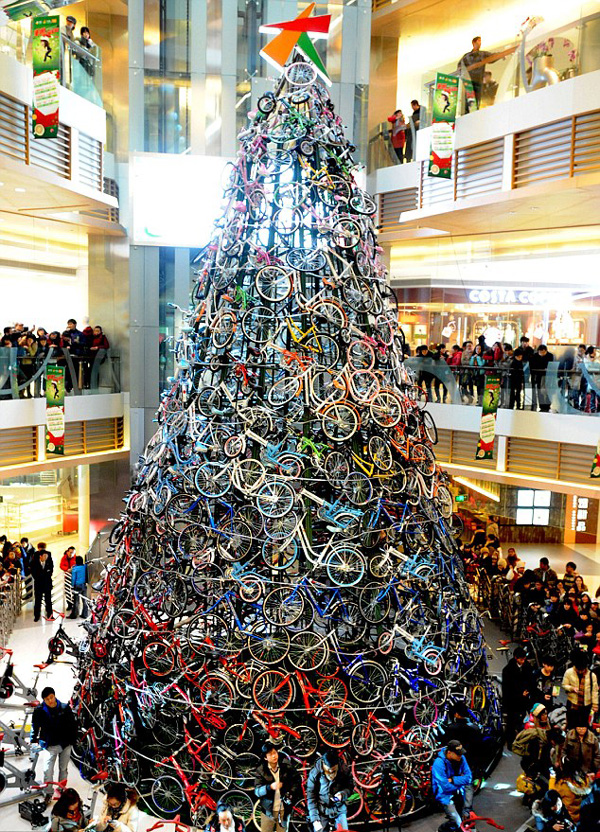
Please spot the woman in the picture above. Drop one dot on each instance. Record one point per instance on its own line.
(550, 814)
(98, 342)
(68, 814)
(398, 134)
(478, 363)
(572, 787)
(120, 809)
(580, 585)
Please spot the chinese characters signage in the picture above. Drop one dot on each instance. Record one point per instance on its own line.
(445, 101)
(46, 76)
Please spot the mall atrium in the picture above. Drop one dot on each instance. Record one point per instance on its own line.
(299, 401)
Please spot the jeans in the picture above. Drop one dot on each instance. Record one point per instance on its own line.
(339, 821)
(457, 804)
(51, 753)
(84, 609)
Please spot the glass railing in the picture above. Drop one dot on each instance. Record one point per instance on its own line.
(82, 70)
(559, 389)
(14, 40)
(22, 376)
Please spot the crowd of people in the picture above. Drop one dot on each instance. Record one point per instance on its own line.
(578, 373)
(33, 345)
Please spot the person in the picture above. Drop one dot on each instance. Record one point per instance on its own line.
(570, 575)
(120, 812)
(516, 380)
(54, 725)
(224, 820)
(28, 552)
(76, 343)
(476, 55)
(580, 585)
(424, 377)
(581, 687)
(545, 573)
(398, 134)
(550, 814)
(452, 785)
(79, 586)
(544, 683)
(538, 364)
(572, 786)
(328, 787)
(489, 88)
(68, 814)
(98, 342)
(437, 353)
(517, 686)
(492, 526)
(42, 567)
(67, 562)
(589, 816)
(462, 728)
(581, 748)
(477, 373)
(276, 784)
(86, 42)
(414, 125)
(68, 30)
(532, 744)
(466, 379)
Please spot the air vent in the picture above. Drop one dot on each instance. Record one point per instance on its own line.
(93, 436)
(18, 446)
(479, 169)
(13, 128)
(543, 154)
(464, 450)
(90, 162)
(443, 449)
(53, 155)
(393, 203)
(575, 463)
(529, 456)
(435, 191)
(586, 143)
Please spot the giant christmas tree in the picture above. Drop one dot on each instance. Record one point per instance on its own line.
(286, 566)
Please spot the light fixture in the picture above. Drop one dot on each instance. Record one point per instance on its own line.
(1, 184)
(20, 190)
(473, 487)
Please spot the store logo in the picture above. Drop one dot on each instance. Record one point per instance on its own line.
(524, 298)
(293, 34)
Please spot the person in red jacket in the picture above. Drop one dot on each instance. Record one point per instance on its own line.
(98, 342)
(398, 134)
(67, 562)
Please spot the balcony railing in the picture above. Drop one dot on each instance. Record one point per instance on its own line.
(560, 389)
(21, 377)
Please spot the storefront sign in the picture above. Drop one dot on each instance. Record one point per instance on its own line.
(445, 100)
(487, 430)
(581, 521)
(523, 298)
(46, 76)
(595, 472)
(55, 410)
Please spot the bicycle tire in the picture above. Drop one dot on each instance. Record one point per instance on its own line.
(345, 566)
(366, 685)
(273, 284)
(269, 647)
(217, 693)
(336, 468)
(212, 479)
(328, 313)
(422, 458)
(374, 603)
(284, 391)
(158, 657)
(280, 555)
(168, 794)
(284, 606)
(339, 421)
(272, 691)
(323, 350)
(308, 651)
(275, 498)
(346, 619)
(386, 409)
(259, 324)
(360, 355)
(335, 724)
(238, 738)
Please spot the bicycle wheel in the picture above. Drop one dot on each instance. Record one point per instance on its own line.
(422, 458)
(323, 350)
(235, 540)
(306, 745)
(429, 426)
(213, 479)
(358, 489)
(386, 409)
(328, 313)
(159, 658)
(280, 554)
(168, 794)
(366, 681)
(300, 74)
(335, 724)
(259, 324)
(345, 566)
(417, 533)
(223, 329)
(308, 651)
(361, 355)
(336, 469)
(425, 712)
(283, 606)
(275, 498)
(340, 421)
(380, 452)
(357, 294)
(205, 633)
(306, 259)
(248, 475)
(268, 644)
(273, 283)
(432, 660)
(192, 541)
(217, 694)
(327, 387)
(444, 501)
(363, 739)
(392, 697)
(332, 690)
(364, 386)
(284, 391)
(347, 622)
(374, 603)
(238, 738)
(240, 803)
(362, 203)
(272, 691)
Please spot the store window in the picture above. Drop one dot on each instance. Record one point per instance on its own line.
(43, 505)
(533, 507)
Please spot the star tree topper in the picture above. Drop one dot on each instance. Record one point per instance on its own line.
(294, 33)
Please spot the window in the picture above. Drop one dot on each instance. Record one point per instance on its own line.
(533, 507)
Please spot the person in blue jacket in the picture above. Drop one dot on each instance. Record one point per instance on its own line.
(452, 784)
(328, 787)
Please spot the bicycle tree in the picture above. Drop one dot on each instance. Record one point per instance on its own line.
(286, 565)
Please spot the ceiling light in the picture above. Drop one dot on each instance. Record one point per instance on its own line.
(1, 184)
(20, 190)
(471, 485)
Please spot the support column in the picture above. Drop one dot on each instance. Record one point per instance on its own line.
(83, 506)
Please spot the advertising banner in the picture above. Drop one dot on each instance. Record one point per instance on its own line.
(46, 75)
(55, 410)
(21, 9)
(445, 102)
(487, 430)
(470, 99)
(595, 472)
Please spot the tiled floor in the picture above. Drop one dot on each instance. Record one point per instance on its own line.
(29, 642)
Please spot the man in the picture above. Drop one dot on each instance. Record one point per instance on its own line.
(475, 56)
(466, 377)
(328, 787)
(526, 349)
(276, 784)
(517, 686)
(589, 817)
(462, 728)
(544, 683)
(68, 30)
(546, 575)
(538, 364)
(224, 820)
(581, 687)
(418, 113)
(424, 378)
(452, 785)
(582, 749)
(516, 380)
(41, 572)
(28, 552)
(570, 575)
(54, 725)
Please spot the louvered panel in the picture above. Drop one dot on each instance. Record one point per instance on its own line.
(543, 153)
(575, 463)
(444, 445)
(586, 145)
(434, 191)
(90, 162)
(530, 456)
(393, 203)
(74, 439)
(464, 449)
(479, 169)
(18, 445)
(13, 128)
(53, 155)
(100, 435)
(119, 432)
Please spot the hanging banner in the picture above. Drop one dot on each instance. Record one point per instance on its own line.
(470, 99)
(21, 9)
(46, 76)
(445, 102)
(595, 472)
(55, 409)
(487, 430)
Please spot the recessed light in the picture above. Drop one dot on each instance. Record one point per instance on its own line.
(20, 190)
(1, 184)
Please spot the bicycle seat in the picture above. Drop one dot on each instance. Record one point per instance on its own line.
(6, 650)
(34, 704)
(41, 666)
(504, 641)
(102, 775)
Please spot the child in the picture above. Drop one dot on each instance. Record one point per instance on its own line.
(79, 582)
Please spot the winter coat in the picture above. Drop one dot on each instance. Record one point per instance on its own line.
(54, 726)
(441, 772)
(291, 785)
(42, 575)
(67, 562)
(585, 753)
(545, 823)
(516, 680)
(321, 792)
(125, 821)
(571, 793)
(79, 577)
(570, 684)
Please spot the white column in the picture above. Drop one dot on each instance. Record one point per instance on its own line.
(83, 506)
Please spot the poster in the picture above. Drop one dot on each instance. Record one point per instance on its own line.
(595, 471)
(487, 430)
(445, 103)
(46, 76)
(55, 409)
(470, 99)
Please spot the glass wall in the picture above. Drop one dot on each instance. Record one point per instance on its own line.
(40, 505)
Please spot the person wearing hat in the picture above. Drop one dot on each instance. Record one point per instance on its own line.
(328, 787)
(452, 784)
(276, 784)
(518, 684)
(224, 820)
(68, 30)
(532, 744)
(462, 728)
